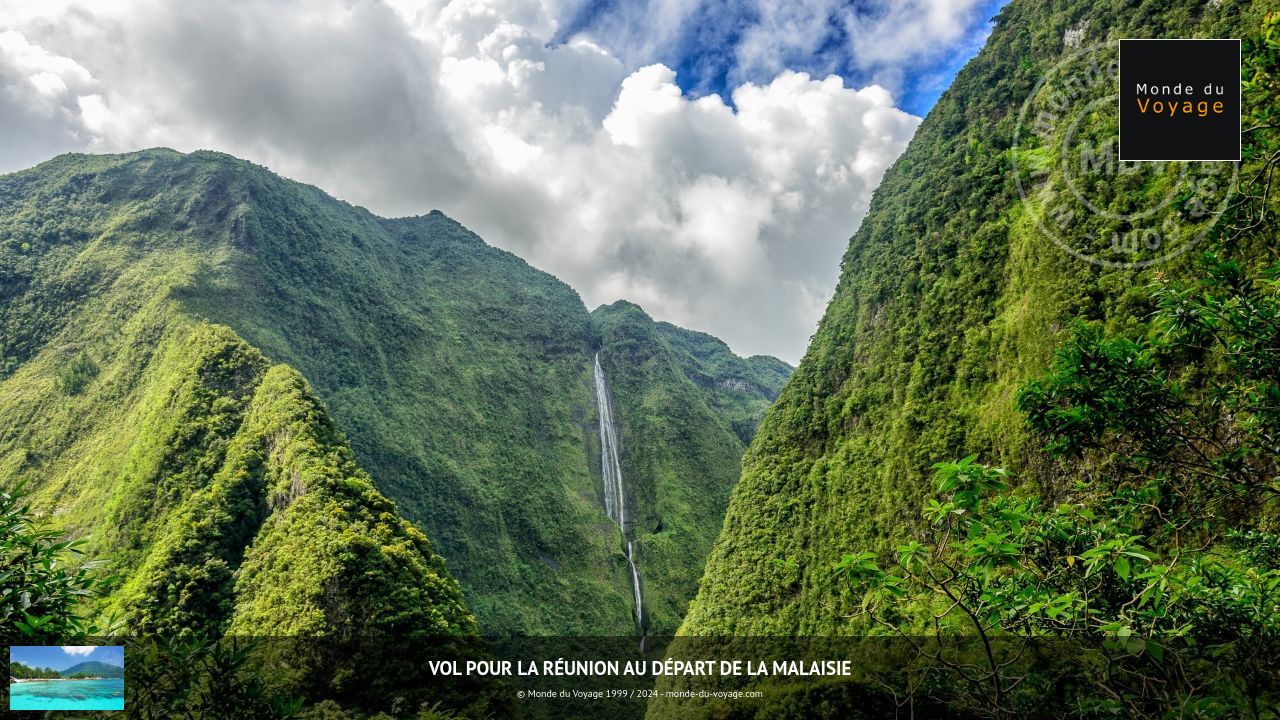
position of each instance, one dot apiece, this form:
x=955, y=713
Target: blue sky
x=821, y=37
x=62, y=657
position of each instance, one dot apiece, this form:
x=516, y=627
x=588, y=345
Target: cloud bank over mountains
x=724, y=214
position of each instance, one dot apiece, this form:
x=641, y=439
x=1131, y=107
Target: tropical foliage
x=22, y=672
x=1158, y=560
x=43, y=578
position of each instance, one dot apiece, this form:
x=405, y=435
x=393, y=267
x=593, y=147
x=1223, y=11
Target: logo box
x=1180, y=100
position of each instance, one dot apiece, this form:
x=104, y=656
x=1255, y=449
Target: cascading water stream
x=615, y=497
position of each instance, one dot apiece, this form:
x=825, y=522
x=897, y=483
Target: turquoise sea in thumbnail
x=105, y=694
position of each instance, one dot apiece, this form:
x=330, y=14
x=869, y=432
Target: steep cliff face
x=288, y=535
x=950, y=297
x=190, y=461
x=146, y=301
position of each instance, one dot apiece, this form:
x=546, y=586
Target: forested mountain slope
x=218, y=482
x=158, y=312
x=950, y=298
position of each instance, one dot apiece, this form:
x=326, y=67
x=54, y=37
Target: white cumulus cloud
x=80, y=650
x=728, y=218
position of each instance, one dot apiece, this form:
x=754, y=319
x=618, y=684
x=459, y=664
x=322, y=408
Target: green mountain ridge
x=206, y=369
x=949, y=299
x=739, y=389
x=93, y=667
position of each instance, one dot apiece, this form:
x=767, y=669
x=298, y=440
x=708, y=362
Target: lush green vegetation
x=44, y=580
x=738, y=389
x=1157, y=558
x=77, y=374
x=22, y=672
x=252, y=474
x=950, y=298
x=141, y=296
x=1177, y=615
x=288, y=537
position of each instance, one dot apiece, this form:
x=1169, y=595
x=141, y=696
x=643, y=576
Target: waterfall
x=615, y=497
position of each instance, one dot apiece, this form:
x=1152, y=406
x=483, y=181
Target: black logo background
x=1181, y=137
